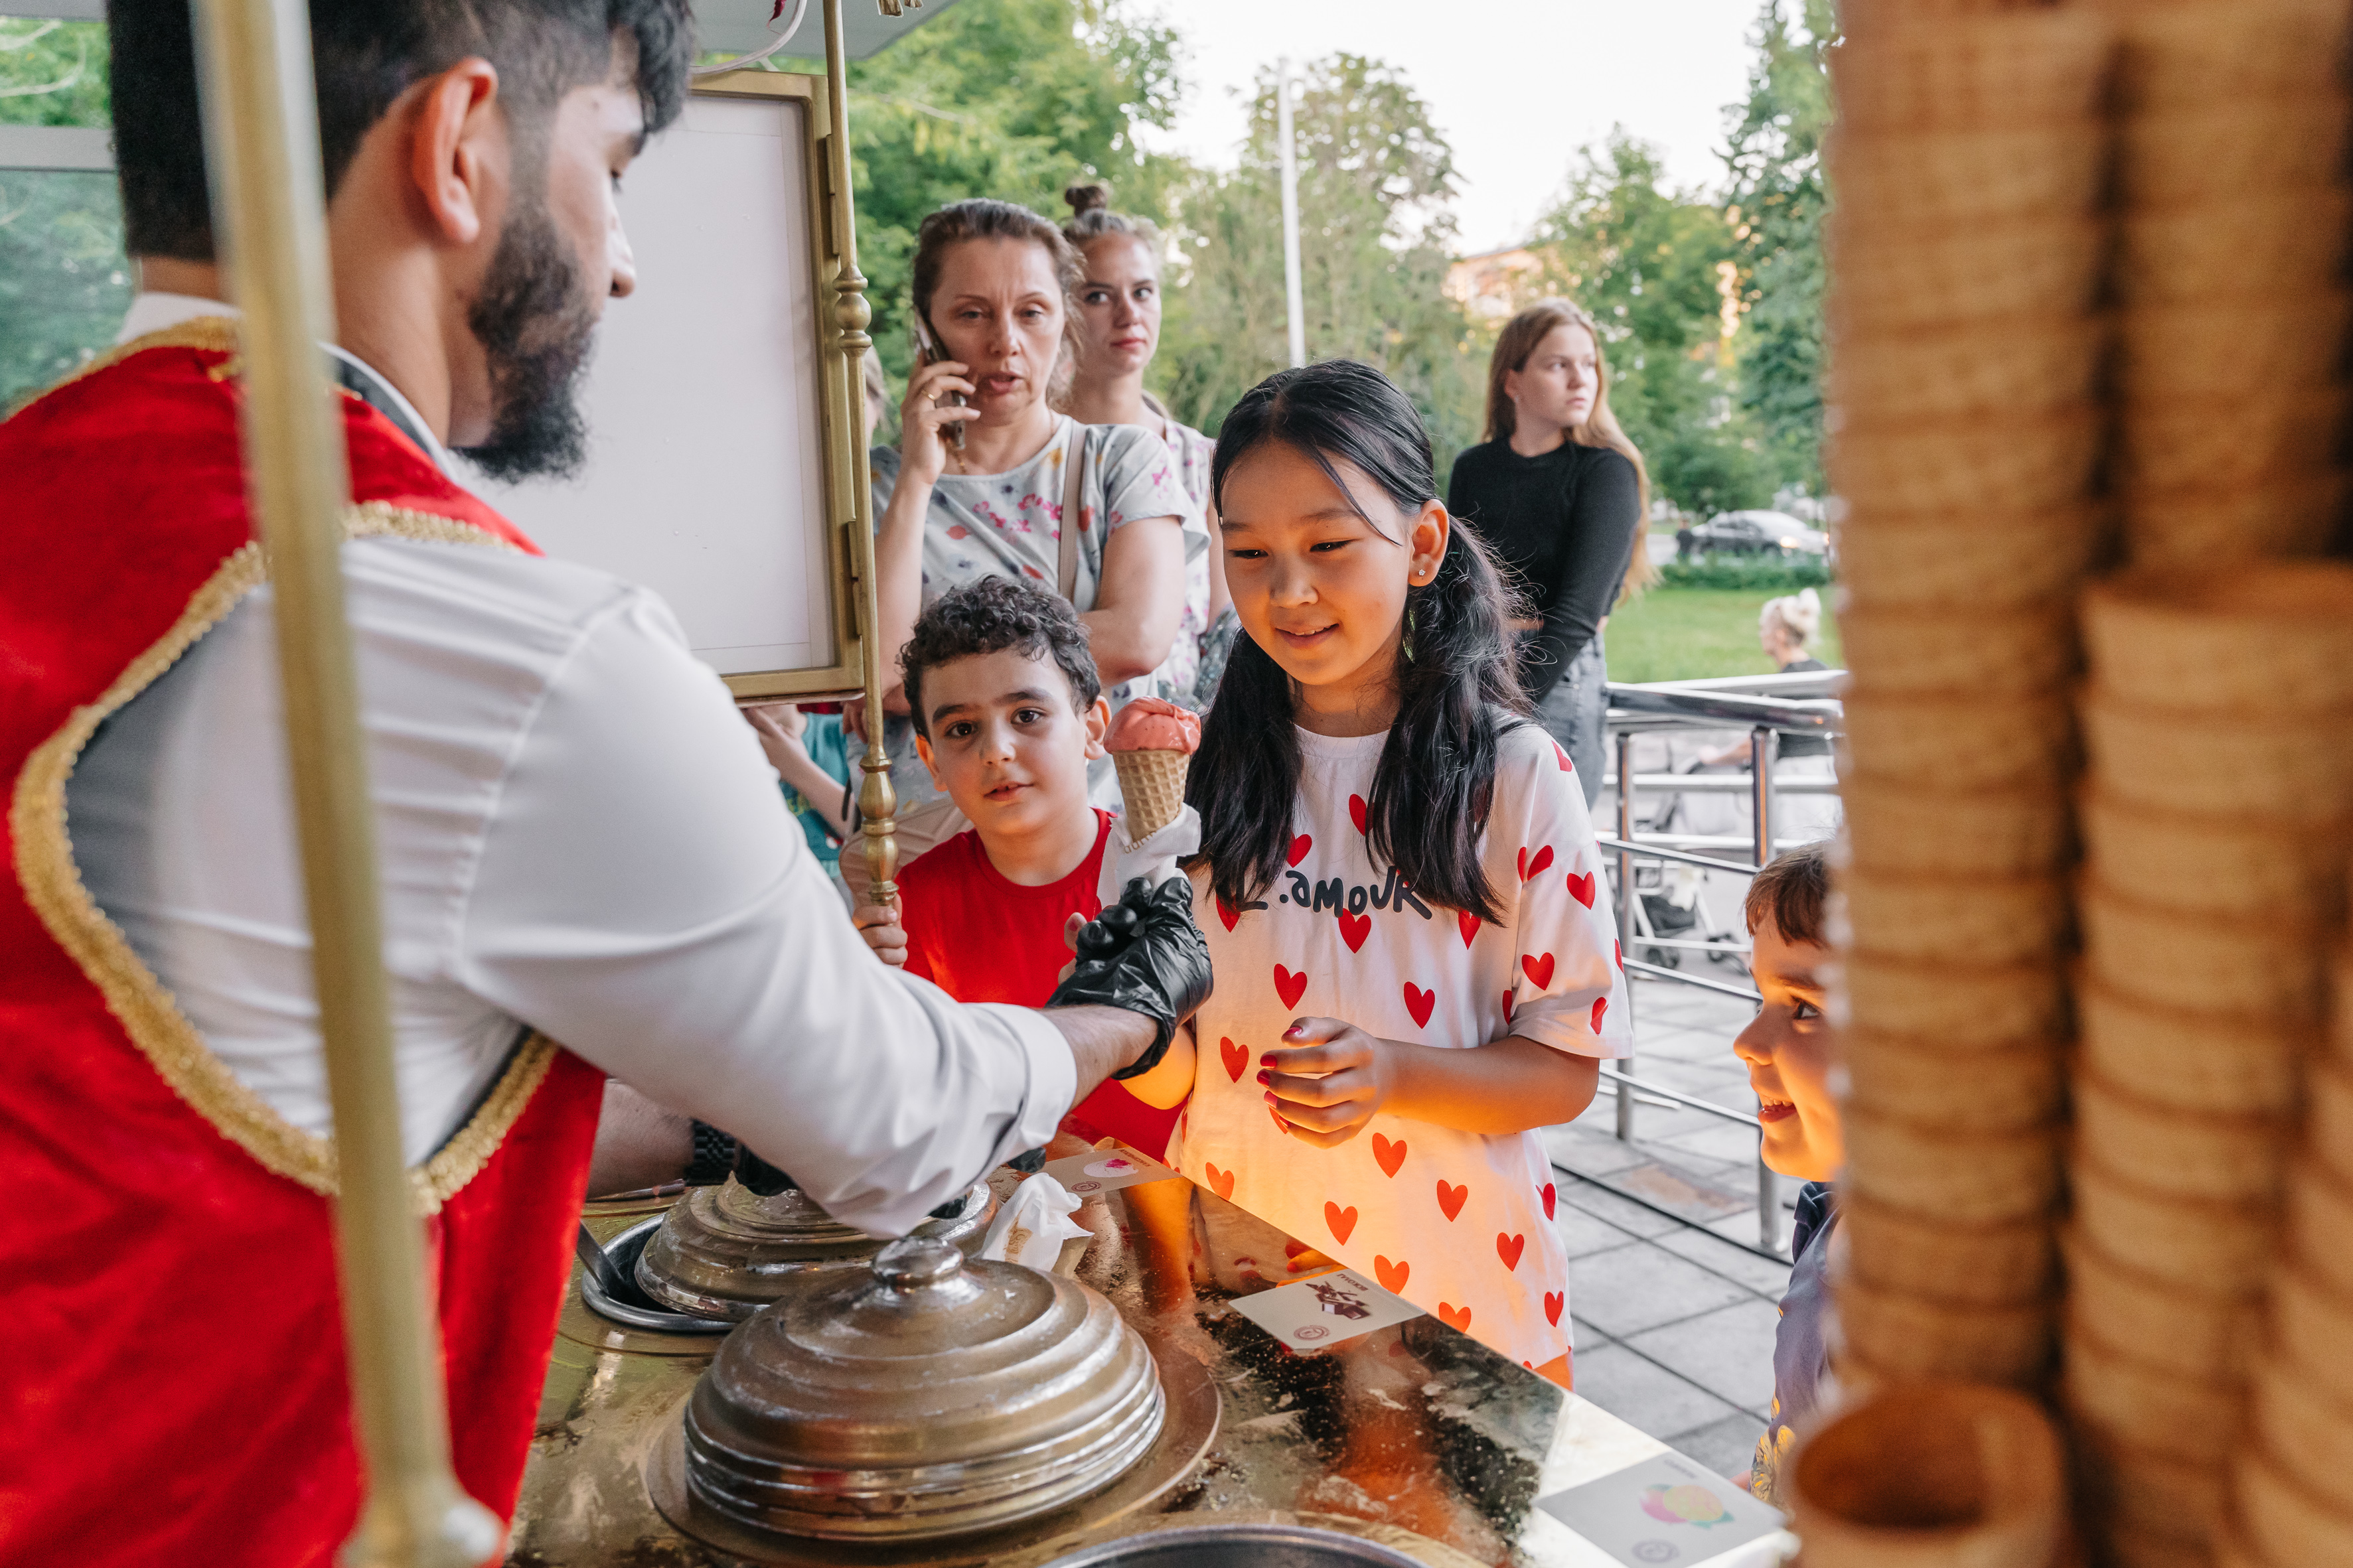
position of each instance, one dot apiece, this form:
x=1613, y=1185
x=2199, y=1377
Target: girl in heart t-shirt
x=1415, y=964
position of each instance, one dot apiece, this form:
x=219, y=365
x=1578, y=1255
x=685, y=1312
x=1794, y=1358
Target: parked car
x=1755, y=533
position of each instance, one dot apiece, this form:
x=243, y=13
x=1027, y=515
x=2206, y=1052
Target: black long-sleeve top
x=1566, y=523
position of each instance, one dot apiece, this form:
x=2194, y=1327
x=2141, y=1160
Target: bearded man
x=580, y=841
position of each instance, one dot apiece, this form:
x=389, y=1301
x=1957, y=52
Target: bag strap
x=1066, y=578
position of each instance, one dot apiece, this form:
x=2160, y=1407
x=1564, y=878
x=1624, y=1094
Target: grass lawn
x=1686, y=634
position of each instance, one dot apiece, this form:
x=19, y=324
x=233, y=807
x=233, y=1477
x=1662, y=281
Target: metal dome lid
x=929, y=1397
x=726, y=1251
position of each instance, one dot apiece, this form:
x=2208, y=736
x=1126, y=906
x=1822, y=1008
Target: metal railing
x=1770, y=707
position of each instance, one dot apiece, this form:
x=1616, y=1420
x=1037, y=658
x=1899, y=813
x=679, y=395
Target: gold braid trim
x=213, y=334
x=149, y=1013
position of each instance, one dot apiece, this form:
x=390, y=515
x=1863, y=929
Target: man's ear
x=1097, y=719
x=923, y=750
x=458, y=149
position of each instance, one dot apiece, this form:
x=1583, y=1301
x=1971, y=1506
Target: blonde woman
x=1561, y=494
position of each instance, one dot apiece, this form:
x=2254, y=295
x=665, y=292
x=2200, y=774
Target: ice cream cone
x=2309, y=1432
x=1993, y=368
x=2165, y=957
x=1966, y=1178
x=2220, y=1245
x=2208, y=54
x=2285, y=1521
x=1957, y=742
x=1891, y=276
x=1906, y=831
x=1960, y=1006
x=2282, y=768
x=2155, y=1408
x=2207, y=526
x=1906, y=1336
x=2273, y=637
x=2139, y=1489
x=2319, y=1221
x=2211, y=865
x=2238, y=149
x=1986, y=920
x=1152, y=785
x=1965, y=176
x=2193, y=1154
x=2225, y=1061
x=2006, y=1090
x=2186, y=1330
x=1963, y=561
x=2003, y=1265
x=2311, y=1326
x=1910, y=650
x=2246, y=244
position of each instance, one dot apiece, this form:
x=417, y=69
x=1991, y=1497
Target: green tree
x=63, y=279
x=1652, y=264
x=1776, y=202
x=1377, y=229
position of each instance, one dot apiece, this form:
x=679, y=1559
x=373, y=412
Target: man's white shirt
x=577, y=835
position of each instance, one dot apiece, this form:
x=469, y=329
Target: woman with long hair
x=988, y=480
x=1561, y=494
x=1117, y=319
x=1398, y=880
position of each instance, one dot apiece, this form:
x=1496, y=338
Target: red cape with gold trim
x=175, y=1386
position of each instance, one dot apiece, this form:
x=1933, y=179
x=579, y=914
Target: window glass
x=63, y=283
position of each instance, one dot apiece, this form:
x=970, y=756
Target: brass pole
x=877, y=803
x=261, y=132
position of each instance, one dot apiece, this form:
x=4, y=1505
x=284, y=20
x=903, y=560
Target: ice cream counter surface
x=1413, y=1434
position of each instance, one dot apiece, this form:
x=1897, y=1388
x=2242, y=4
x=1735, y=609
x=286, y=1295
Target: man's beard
x=536, y=329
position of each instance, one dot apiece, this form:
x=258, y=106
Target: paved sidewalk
x=1674, y=1322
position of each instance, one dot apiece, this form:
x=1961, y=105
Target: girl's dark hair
x=1457, y=692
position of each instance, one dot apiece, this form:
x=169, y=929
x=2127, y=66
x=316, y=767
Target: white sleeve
x=643, y=897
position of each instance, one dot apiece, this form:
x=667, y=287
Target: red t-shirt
x=982, y=938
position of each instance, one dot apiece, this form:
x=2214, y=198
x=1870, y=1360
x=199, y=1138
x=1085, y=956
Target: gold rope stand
x=262, y=137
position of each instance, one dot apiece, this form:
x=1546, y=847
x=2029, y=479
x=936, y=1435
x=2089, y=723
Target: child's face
x=1007, y=742
x=1787, y=1050
x=1317, y=585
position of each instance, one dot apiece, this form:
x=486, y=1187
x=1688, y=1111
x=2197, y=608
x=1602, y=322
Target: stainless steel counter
x=1414, y=1434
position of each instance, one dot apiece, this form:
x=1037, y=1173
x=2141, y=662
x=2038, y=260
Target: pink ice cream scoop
x=1154, y=724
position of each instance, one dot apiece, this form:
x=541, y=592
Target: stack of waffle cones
x=1966, y=259
x=2218, y=724
x=2230, y=276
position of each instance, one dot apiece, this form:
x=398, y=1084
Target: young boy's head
x=1008, y=710
x=1787, y=1045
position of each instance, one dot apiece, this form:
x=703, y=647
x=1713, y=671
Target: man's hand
x=879, y=926
x=1142, y=954
x=1332, y=1081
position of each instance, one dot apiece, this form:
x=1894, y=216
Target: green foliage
x=1748, y=573
x=1377, y=231
x=1776, y=201
x=63, y=279
x=1690, y=634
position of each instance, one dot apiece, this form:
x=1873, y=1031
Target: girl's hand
x=925, y=413
x=879, y=926
x=1325, y=1090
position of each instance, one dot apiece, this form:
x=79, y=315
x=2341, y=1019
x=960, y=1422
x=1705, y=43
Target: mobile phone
x=927, y=351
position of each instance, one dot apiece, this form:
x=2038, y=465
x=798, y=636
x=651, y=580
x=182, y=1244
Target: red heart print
x=1220, y=1181
x=1237, y=1057
x=1342, y=1220
x=1419, y=1003
x=1566, y=765
x=1509, y=1248
x=1289, y=986
x=1299, y=848
x=1457, y=1318
x=1581, y=887
x=1554, y=1301
x=1357, y=811
x=1449, y=1199
x=1534, y=867
x=958, y=531
x=1618, y=954
x=1227, y=914
x=1389, y=1154
x=1550, y=1195
x=1601, y=1005
x=1507, y=1006
x=1538, y=970
x=1391, y=1275
x=1355, y=929
x=1468, y=923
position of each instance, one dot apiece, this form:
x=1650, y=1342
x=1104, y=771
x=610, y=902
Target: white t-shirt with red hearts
x=1458, y=1223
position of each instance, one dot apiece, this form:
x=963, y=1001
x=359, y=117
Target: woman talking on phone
x=988, y=480
x=1561, y=494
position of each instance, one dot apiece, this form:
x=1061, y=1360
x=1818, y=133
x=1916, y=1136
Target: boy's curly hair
x=1793, y=887
x=991, y=615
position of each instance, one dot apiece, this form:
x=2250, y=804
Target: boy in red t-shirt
x=1008, y=711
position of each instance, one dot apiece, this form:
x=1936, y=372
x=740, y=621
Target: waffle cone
x=2233, y=348
x=2175, y=959
x=1906, y=1336
x=2190, y=1154
x=2218, y=1245
x=1959, y=742
x=2210, y=526
x=1152, y=785
x=2003, y=1265
x=2310, y=1329
x=2311, y=1433
x=1994, y=651
x=2285, y=432
x=1965, y=1178
x=2147, y=1405
x=2285, y=1521
x=2171, y=1503
x=1970, y=73
x=1894, y=277
x=2319, y=1219
x=1869, y=18
x=2262, y=765
x=2218, y=52
x=1965, y=561
x=2223, y=1061
x=2263, y=636
x=2008, y=1089
x=2024, y=463
x=1963, y=1007
x=2216, y=864
x=1992, y=368
x=1985, y=920
x=2211, y=1338
x=2328, y=1117
x=2236, y=247
x=1969, y=176
x=1894, y=831
x=2166, y=160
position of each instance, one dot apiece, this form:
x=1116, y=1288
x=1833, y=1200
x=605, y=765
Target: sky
x=1516, y=85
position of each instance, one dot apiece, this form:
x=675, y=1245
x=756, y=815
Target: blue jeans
x=1576, y=713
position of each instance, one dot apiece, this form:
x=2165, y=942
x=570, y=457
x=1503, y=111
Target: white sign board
x=705, y=478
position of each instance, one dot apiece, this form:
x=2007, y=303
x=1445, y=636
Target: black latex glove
x=1143, y=953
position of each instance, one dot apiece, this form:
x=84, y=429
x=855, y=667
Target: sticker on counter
x=1667, y=1508
x=1106, y=1170
x=1312, y=1314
